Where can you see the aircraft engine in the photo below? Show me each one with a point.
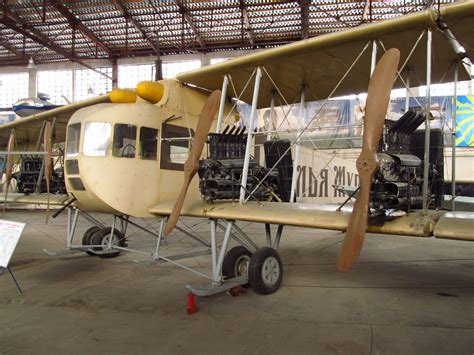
(221, 173)
(29, 173)
(397, 184)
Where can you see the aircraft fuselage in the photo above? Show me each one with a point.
(122, 158)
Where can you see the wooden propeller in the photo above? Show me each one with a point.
(378, 96)
(48, 165)
(192, 163)
(9, 167)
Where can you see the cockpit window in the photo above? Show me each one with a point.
(96, 139)
(148, 143)
(73, 139)
(125, 141)
(174, 146)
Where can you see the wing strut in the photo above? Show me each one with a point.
(9, 169)
(48, 166)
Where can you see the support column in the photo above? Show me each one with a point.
(158, 61)
(32, 82)
(426, 164)
(73, 92)
(114, 74)
(220, 117)
(453, 138)
(297, 148)
(256, 89)
(205, 60)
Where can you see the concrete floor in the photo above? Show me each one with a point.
(404, 296)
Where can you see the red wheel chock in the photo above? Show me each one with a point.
(191, 308)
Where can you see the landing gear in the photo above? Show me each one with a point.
(265, 271)
(236, 262)
(86, 238)
(246, 264)
(101, 237)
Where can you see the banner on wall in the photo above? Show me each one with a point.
(465, 121)
(318, 173)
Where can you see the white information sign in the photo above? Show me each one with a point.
(10, 233)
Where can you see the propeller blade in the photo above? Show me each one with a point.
(9, 167)
(48, 166)
(191, 165)
(378, 96)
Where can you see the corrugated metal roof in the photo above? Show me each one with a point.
(56, 30)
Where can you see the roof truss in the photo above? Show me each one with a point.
(85, 29)
(78, 25)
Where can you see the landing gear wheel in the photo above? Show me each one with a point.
(101, 237)
(265, 271)
(86, 238)
(236, 262)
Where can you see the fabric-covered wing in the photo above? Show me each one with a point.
(34, 199)
(320, 62)
(418, 224)
(27, 129)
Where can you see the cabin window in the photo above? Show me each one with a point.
(148, 143)
(96, 139)
(174, 147)
(73, 139)
(125, 141)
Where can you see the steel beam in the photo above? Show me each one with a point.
(11, 48)
(78, 25)
(15, 23)
(246, 23)
(119, 4)
(304, 4)
(191, 23)
(367, 13)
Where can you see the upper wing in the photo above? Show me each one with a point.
(27, 129)
(454, 225)
(321, 62)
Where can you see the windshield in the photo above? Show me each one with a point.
(96, 139)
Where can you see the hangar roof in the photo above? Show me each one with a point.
(59, 30)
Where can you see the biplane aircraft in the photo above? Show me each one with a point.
(136, 153)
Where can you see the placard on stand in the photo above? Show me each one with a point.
(10, 233)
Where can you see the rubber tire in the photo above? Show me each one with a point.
(97, 240)
(86, 238)
(231, 257)
(255, 271)
(109, 255)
